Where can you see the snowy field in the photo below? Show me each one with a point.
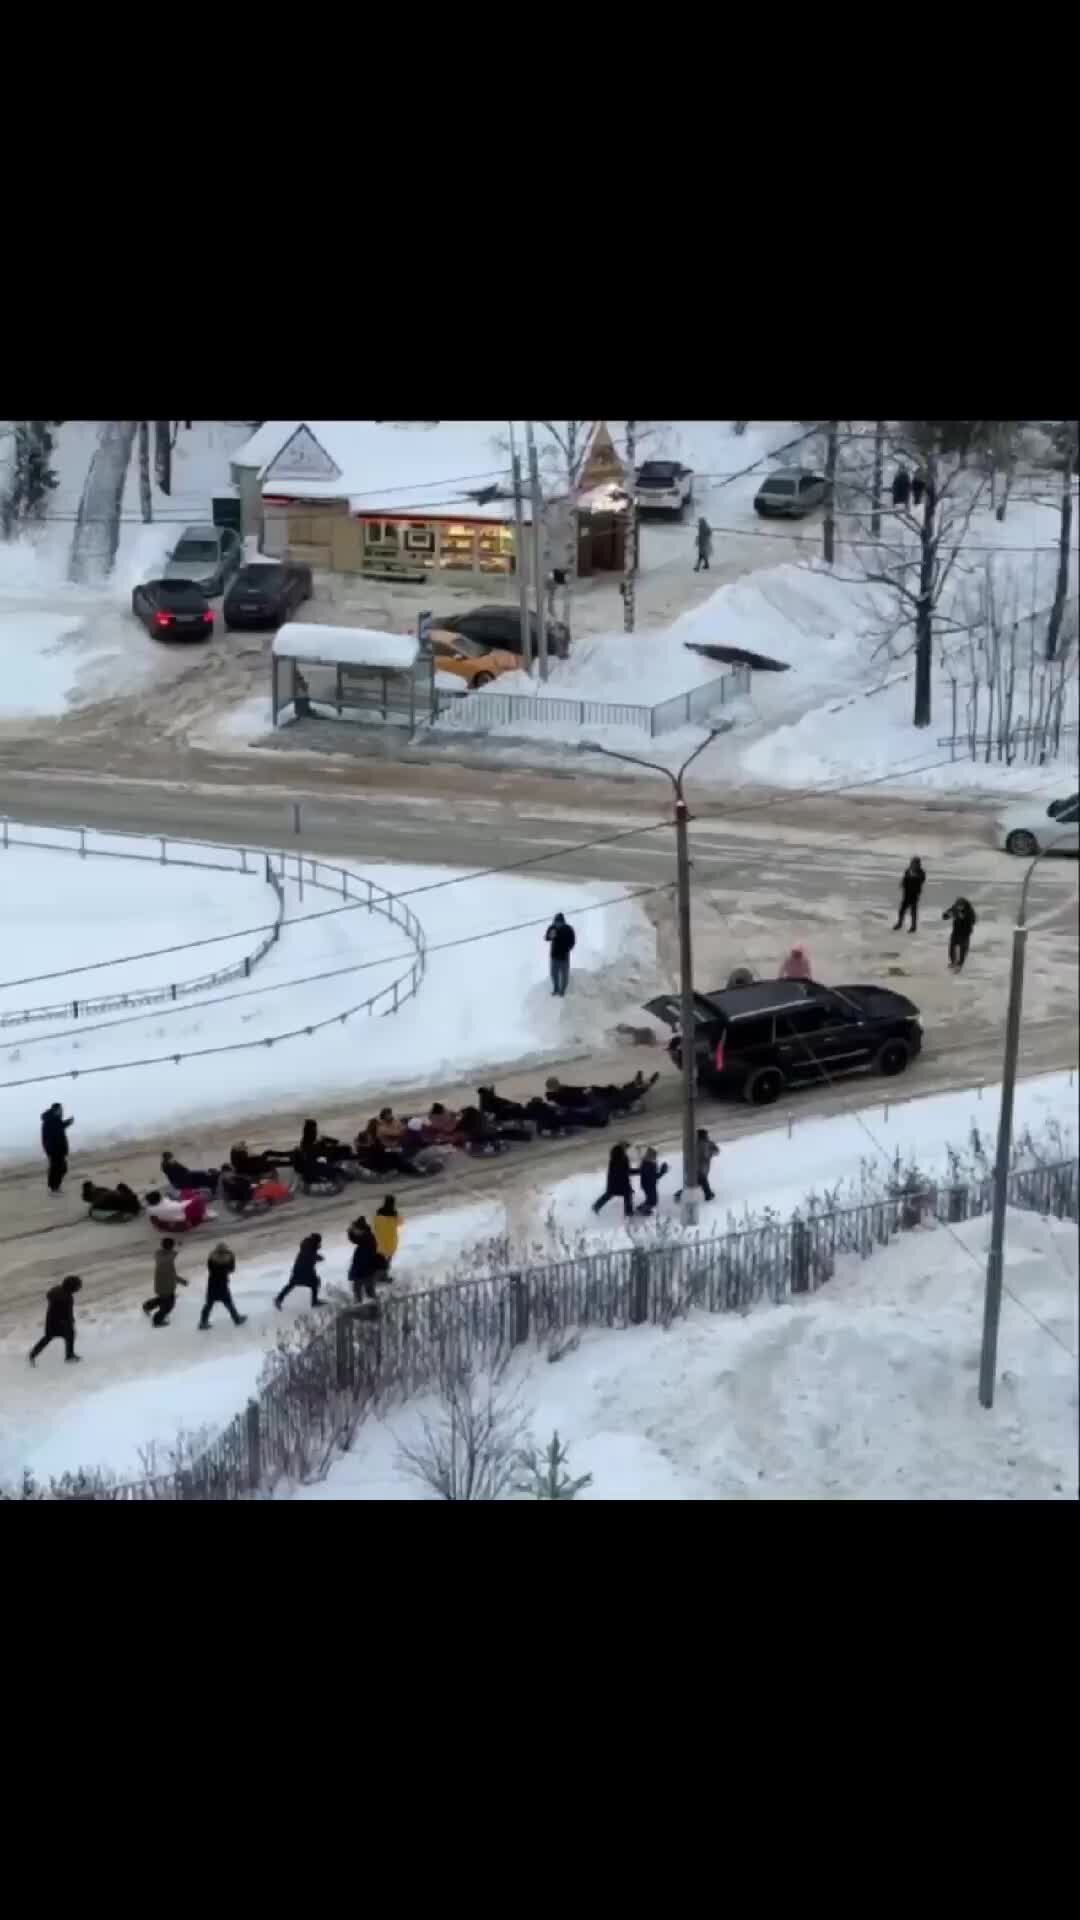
(135, 1390)
(484, 1005)
(866, 1390)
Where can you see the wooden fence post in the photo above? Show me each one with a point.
(800, 1257)
(639, 1287)
(343, 1353)
(519, 1310)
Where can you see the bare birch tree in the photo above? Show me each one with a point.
(146, 497)
(1066, 439)
(163, 456)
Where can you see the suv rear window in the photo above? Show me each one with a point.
(180, 593)
(661, 472)
(252, 578)
(196, 550)
(778, 486)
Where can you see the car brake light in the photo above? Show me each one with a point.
(163, 619)
(718, 1057)
(209, 614)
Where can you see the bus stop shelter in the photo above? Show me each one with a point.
(349, 669)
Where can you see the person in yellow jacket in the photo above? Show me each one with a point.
(386, 1226)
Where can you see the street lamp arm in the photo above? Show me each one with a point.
(1057, 841)
(713, 734)
(632, 760)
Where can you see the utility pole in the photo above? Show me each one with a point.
(691, 1193)
(830, 491)
(995, 1263)
(879, 477)
(519, 548)
(630, 538)
(538, 551)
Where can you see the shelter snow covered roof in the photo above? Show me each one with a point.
(381, 464)
(347, 646)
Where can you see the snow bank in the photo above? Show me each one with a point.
(352, 646)
(866, 1390)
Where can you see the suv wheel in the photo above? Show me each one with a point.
(1022, 842)
(481, 680)
(762, 1087)
(893, 1057)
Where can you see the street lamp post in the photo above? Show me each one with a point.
(995, 1264)
(691, 1192)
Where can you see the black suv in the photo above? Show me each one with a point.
(500, 627)
(757, 1040)
(266, 593)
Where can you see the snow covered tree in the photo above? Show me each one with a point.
(544, 1475)
(97, 525)
(32, 475)
(146, 498)
(1065, 437)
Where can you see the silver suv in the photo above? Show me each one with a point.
(790, 491)
(208, 556)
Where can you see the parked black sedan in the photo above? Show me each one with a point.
(173, 610)
(771, 1034)
(500, 626)
(266, 593)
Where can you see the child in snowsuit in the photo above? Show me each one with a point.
(618, 1181)
(166, 1280)
(220, 1267)
(911, 887)
(305, 1271)
(59, 1318)
(650, 1174)
(962, 914)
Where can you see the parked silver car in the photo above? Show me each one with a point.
(207, 555)
(790, 491)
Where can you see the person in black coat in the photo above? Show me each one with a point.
(650, 1173)
(618, 1181)
(561, 940)
(184, 1179)
(918, 487)
(54, 1141)
(220, 1267)
(115, 1203)
(911, 887)
(60, 1318)
(901, 487)
(963, 917)
(305, 1272)
(367, 1262)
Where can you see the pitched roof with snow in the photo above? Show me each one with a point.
(347, 646)
(379, 464)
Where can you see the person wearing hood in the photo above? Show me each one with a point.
(707, 1151)
(650, 1173)
(561, 940)
(796, 965)
(703, 540)
(166, 1280)
(114, 1203)
(618, 1180)
(59, 1319)
(901, 487)
(305, 1270)
(963, 917)
(54, 1141)
(220, 1267)
(367, 1262)
(911, 887)
(386, 1226)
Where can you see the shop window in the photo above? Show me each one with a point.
(457, 547)
(373, 532)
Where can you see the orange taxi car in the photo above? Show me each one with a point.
(471, 660)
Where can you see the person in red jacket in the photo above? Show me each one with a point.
(180, 1215)
(797, 965)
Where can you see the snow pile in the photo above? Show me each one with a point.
(351, 646)
(865, 1390)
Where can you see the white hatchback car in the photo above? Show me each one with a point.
(1032, 828)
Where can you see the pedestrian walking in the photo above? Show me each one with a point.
(650, 1173)
(166, 1280)
(59, 1319)
(796, 965)
(618, 1180)
(911, 887)
(901, 487)
(918, 487)
(963, 917)
(703, 540)
(561, 940)
(305, 1270)
(386, 1226)
(220, 1267)
(707, 1151)
(54, 1141)
(366, 1263)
